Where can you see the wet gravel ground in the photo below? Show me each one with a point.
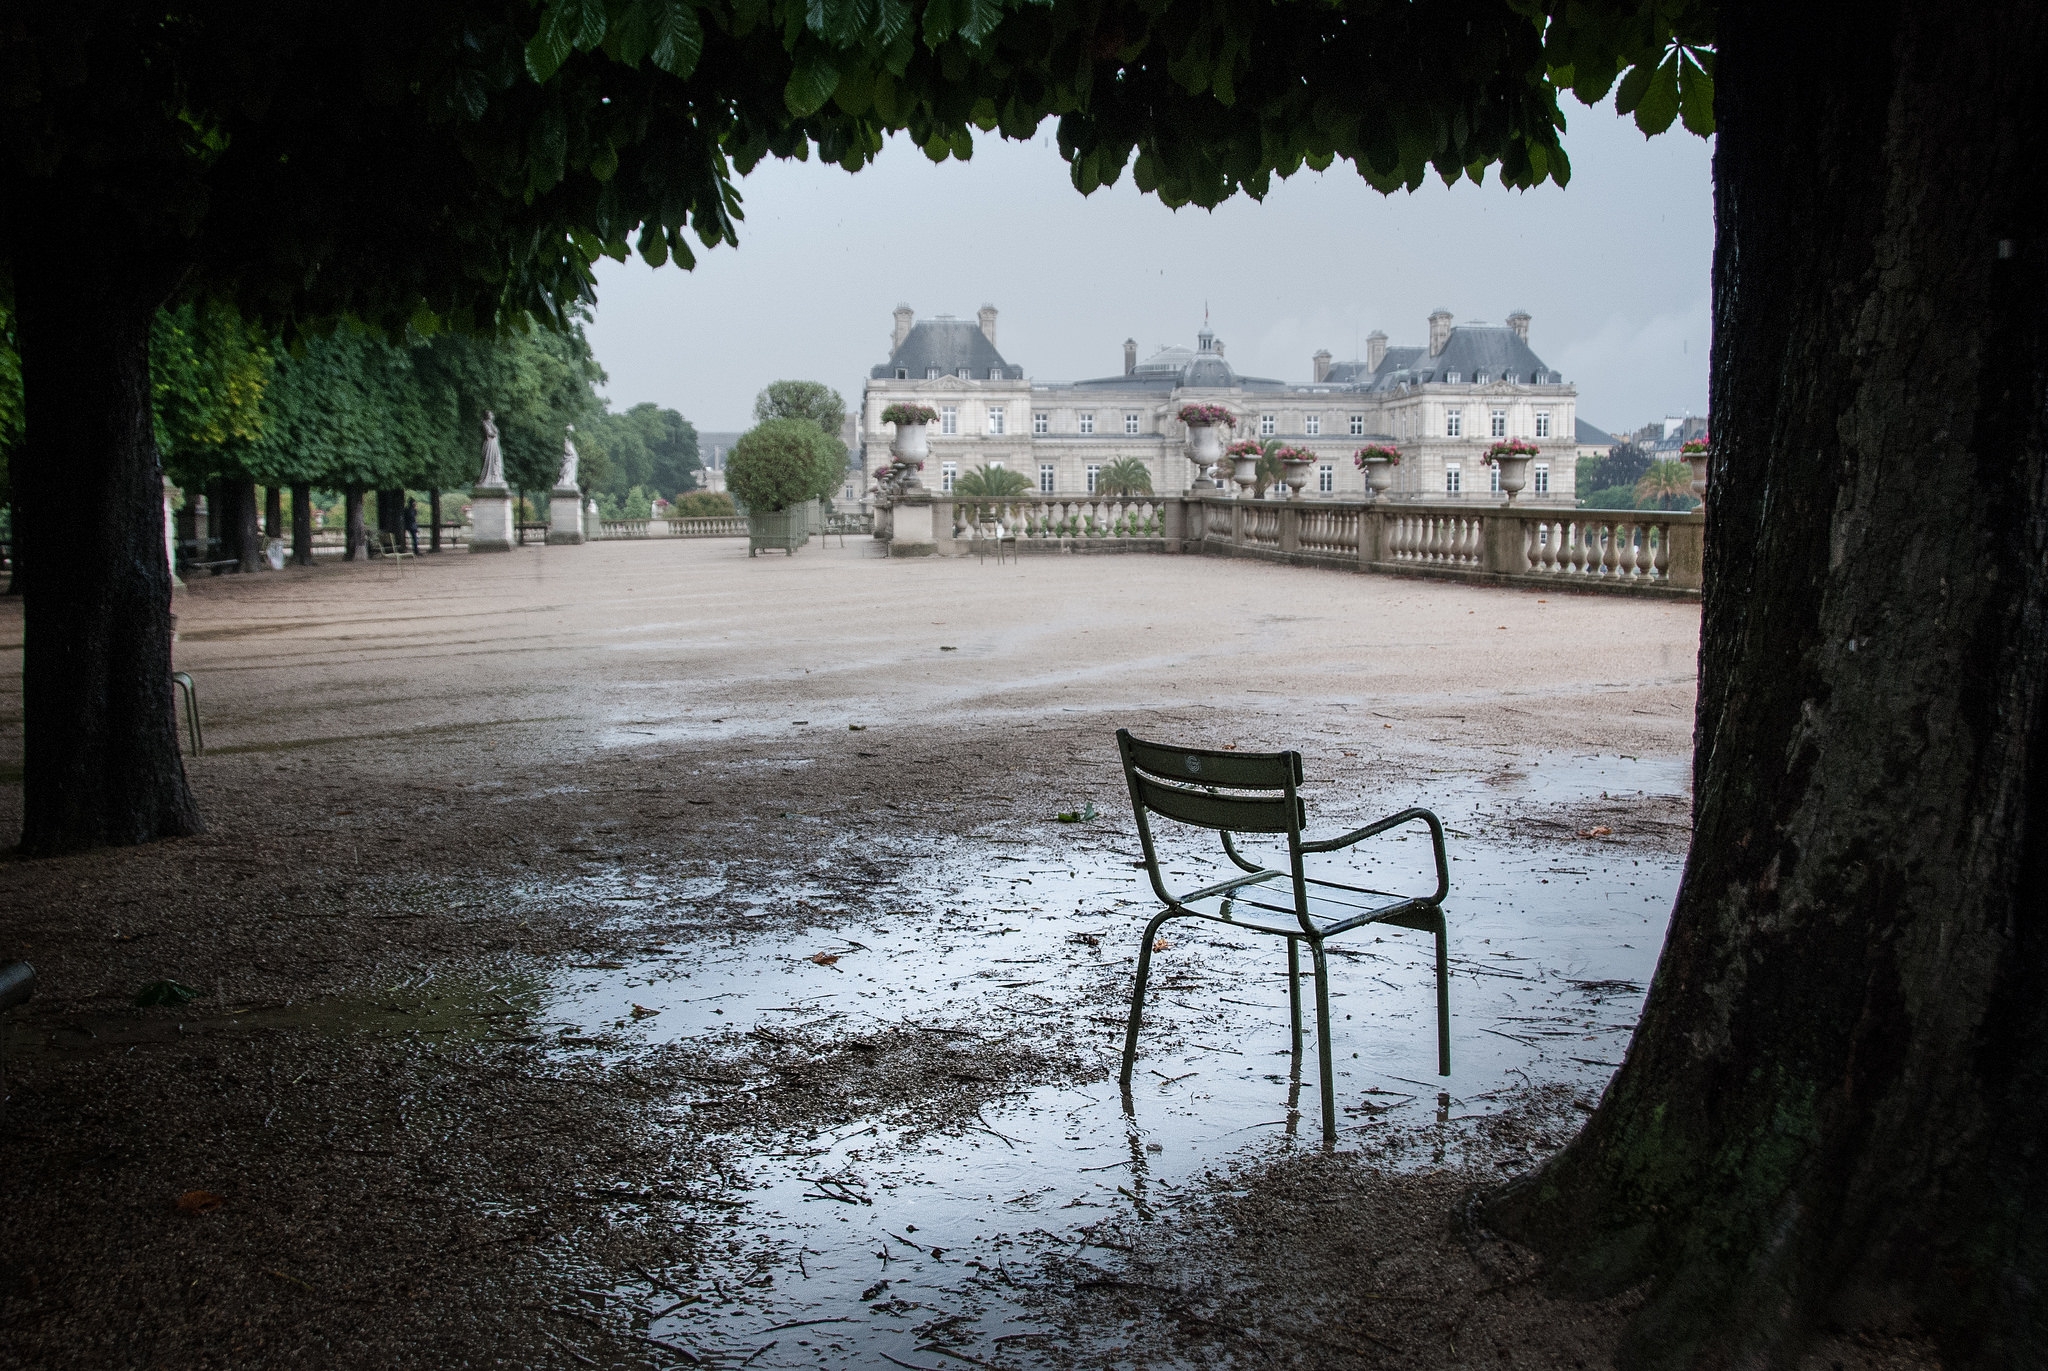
(636, 956)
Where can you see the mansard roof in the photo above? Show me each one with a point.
(949, 345)
(1590, 436)
(1472, 351)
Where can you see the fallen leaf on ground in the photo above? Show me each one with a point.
(824, 958)
(1160, 944)
(165, 992)
(1596, 831)
(641, 1011)
(200, 1201)
(1092, 939)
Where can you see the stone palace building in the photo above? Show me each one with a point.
(1440, 404)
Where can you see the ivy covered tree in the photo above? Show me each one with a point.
(1831, 1113)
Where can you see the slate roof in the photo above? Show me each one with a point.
(1171, 368)
(1471, 351)
(949, 345)
(1590, 436)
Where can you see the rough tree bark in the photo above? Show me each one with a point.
(242, 539)
(352, 523)
(1833, 1111)
(273, 513)
(434, 519)
(302, 524)
(100, 742)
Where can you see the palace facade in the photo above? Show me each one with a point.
(1441, 404)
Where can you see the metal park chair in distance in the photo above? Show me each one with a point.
(1255, 792)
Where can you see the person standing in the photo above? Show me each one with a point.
(411, 523)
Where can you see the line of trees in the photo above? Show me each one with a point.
(350, 412)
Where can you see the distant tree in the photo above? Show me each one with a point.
(993, 482)
(1125, 476)
(704, 504)
(1665, 485)
(1623, 465)
(1610, 497)
(813, 400)
(644, 446)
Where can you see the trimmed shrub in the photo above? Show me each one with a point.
(784, 462)
(704, 504)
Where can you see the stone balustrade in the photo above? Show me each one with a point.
(1630, 551)
(730, 526)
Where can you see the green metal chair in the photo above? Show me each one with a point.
(1255, 792)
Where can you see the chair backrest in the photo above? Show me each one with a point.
(1216, 790)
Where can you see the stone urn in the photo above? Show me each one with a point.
(1205, 450)
(911, 444)
(1296, 476)
(1379, 477)
(903, 475)
(1245, 471)
(1514, 475)
(1698, 462)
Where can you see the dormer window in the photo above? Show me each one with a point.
(1452, 377)
(1508, 376)
(964, 376)
(903, 373)
(931, 373)
(995, 373)
(1480, 378)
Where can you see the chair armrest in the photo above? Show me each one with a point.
(1359, 835)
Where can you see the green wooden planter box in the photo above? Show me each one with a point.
(782, 528)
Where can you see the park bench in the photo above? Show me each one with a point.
(1255, 792)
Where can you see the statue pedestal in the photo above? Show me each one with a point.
(912, 525)
(565, 516)
(490, 519)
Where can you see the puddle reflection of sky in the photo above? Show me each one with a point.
(1551, 947)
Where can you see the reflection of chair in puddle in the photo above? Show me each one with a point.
(1253, 792)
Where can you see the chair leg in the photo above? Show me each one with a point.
(183, 681)
(1294, 995)
(1138, 999)
(1443, 999)
(1315, 948)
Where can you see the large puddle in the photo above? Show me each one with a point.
(883, 1242)
(905, 1236)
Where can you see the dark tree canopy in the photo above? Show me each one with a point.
(1832, 1111)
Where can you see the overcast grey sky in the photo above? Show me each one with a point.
(1614, 270)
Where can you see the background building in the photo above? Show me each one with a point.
(1441, 403)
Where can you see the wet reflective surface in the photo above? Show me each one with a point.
(892, 1240)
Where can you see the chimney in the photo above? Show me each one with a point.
(1130, 355)
(1439, 331)
(1519, 322)
(988, 324)
(904, 315)
(1375, 349)
(1320, 364)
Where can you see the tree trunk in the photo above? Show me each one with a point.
(391, 515)
(1832, 1114)
(352, 523)
(242, 540)
(100, 739)
(302, 525)
(434, 519)
(273, 513)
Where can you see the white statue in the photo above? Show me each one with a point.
(494, 456)
(567, 480)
